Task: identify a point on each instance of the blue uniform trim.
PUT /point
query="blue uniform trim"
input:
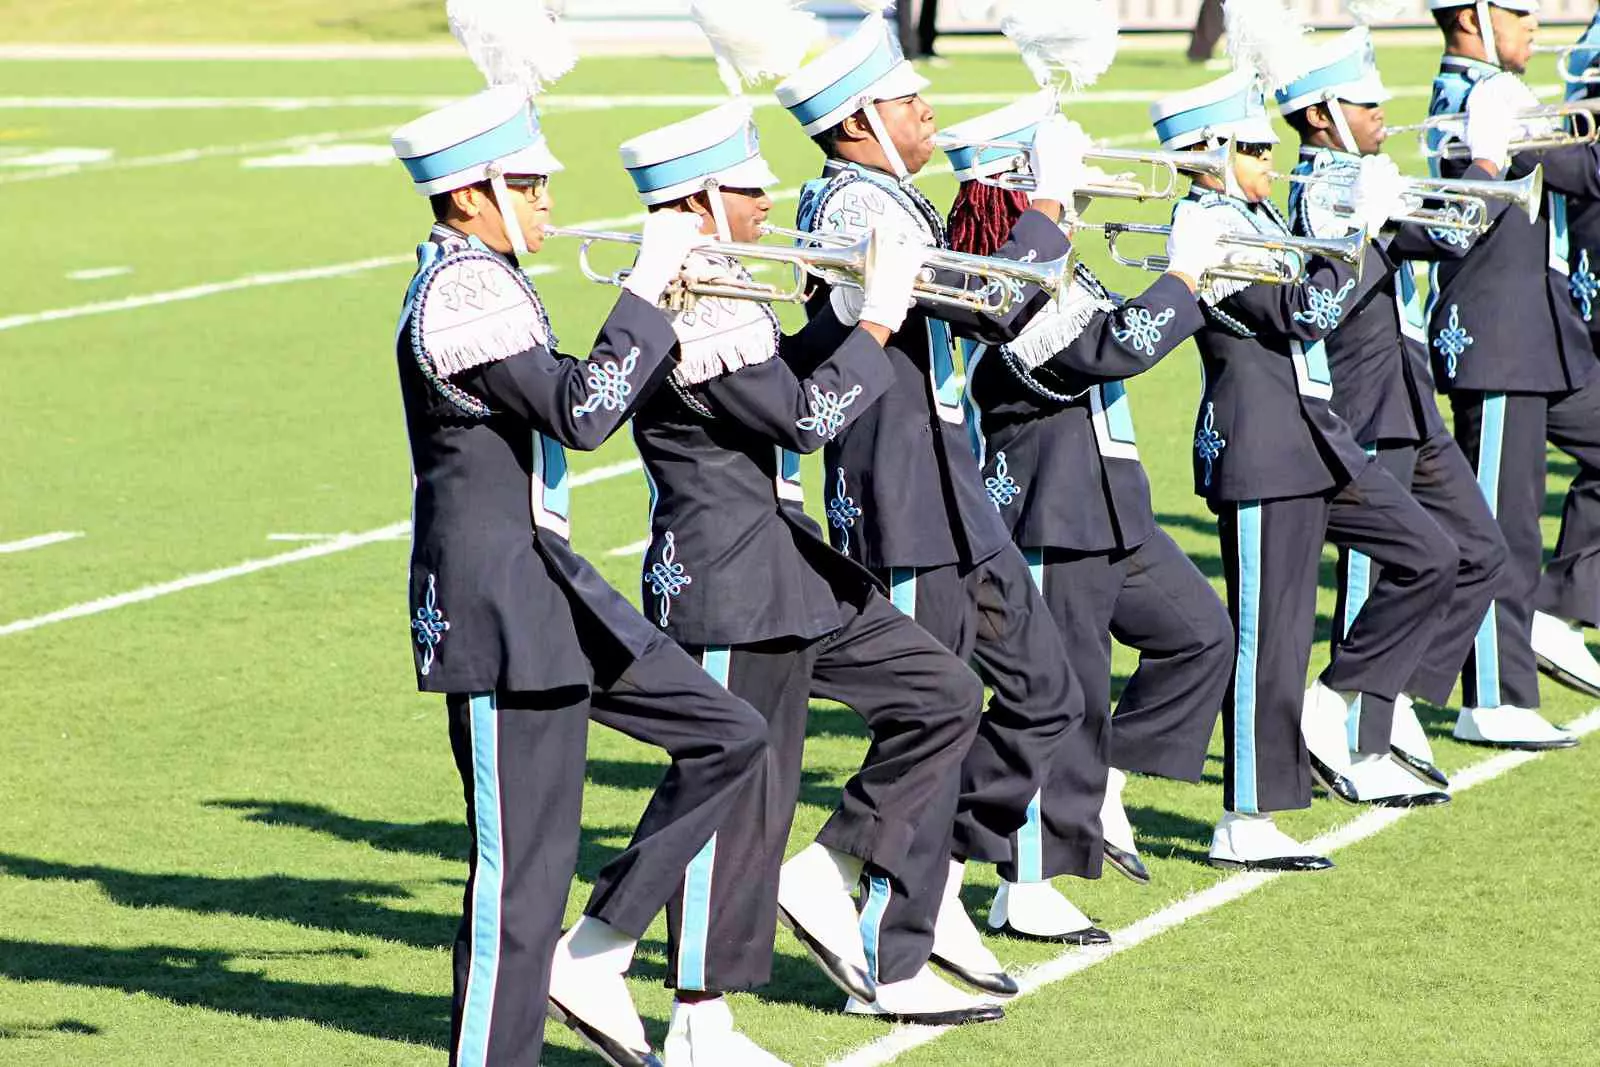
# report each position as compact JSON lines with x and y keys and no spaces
{"x":966,"y":158}
{"x":942,"y":371}
{"x":878,"y":894}
{"x":1119,"y":413}
{"x":696,"y":930}
{"x":903,"y":590}
{"x":1486,"y":646}
{"x":1244,"y":682}
{"x":1241,"y":105}
{"x":1342,"y":72}
{"x":1030,"y":843}
{"x":513,"y":135}
{"x":853,"y":83}
{"x":735,"y":149}
{"x":1035,"y":558}
{"x":477,"y":1009}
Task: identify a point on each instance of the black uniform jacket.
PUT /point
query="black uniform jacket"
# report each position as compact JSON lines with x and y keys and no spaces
{"x":733,"y":558}
{"x":1059,"y":456}
{"x":497,"y":593}
{"x":1583,"y":254}
{"x":1503,"y":318}
{"x":1382,"y":386}
{"x":1265,"y":429}
{"x":909,"y":462}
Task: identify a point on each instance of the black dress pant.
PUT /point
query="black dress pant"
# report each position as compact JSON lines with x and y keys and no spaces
{"x":920,"y":704}
{"x":521,"y":757}
{"x":1271,"y":550}
{"x":1503,"y":436}
{"x":1441,"y":480}
{"x":1151,"y":598}
{"x":993,"y":617}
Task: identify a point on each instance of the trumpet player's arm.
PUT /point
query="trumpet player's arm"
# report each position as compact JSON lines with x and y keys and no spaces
{"x":1307,"y":310}
{"x":1034,"y":239}
{"x":847,"y":371}
{"x":1127,"y":341}
{"x":1573,"y":170}
{"x":1413,"y":240}
{"x":581,"y":402}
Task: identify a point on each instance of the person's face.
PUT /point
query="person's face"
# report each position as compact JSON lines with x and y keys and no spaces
{"x":1513,"y":37}
{"x":1252,"y":169}
{"x":1366,"y":126}
{"x":746,"y":210}
{"x":531,"y":201}
{"x":909,"y":123}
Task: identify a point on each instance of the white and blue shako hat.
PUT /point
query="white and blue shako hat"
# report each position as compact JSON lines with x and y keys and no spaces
{"x":864,"y":68}
{"x":484,"y":137}
{"x":1230,"y":108}
{"x":708,"y":152}
{"x":1521,"y":7}
{"x":1345,"y":69}
{"x":1016,"y":124}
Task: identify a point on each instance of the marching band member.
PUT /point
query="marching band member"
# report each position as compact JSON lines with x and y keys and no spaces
{"x":920,"y":517}
{"x":1383,"y":390}
{"x":1281,"y":471}
{"x":738,"y":574}
{"x":1511,"y":348}
{"x":523,"y":636}
{"x":1055,"y":434}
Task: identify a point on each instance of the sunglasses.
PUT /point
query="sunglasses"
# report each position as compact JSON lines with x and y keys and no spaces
{"x":534,"y":184}
{"x":1258,"y":149}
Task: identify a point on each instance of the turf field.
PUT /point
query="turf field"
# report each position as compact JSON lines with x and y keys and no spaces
{"x":230,"y":832}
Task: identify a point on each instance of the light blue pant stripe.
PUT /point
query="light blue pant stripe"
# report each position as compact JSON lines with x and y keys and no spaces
{"x":878,"y":894}
{"x":1486,"y":646}
{"x":1035,"y":558}
{"x":696,"y":930}
{"x":903,"y":590}
{"x":1030,"y":844}
{"x":1244,"y":684}
{"x":1357,"y":584}
{"x":483,"y":969}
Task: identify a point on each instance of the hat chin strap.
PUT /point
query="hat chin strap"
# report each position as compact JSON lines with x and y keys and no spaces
{"x":1486,"y":29}
{"x":1230,"y":182}
{"x":719,"y":210}
{"x":870,"y":109}
{"x":1341,"y":125}
{"x":508,"y":217}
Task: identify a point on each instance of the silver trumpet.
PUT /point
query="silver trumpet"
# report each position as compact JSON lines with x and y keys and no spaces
{"x":1285,"y":267}
{"x":988,"y":284}
{"x":1563,"y":52}
{"x":1462,"y":200}
{"x":1164,"y":168}
{"x":1572,"y":122}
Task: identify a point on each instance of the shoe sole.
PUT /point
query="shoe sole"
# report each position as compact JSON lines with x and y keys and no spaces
{"x":1092,"y":936}
{"x":1566,"y":678}
{"x":1520,"y":746}
{"x":1295,"y":864}
{"x":1127,"y":864}
{"x":599,"y":1043}
{"x":988,"y":1013}
{"x":1411,"y":800}
{"x":1421,"y":768}
{"x":1337,"y":785}
{"x":1000,"y":985}
{"x":830,"y":964}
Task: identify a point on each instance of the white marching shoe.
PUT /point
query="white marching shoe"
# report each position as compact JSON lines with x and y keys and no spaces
{"x":1037,"y":911}
{"x":926,"y":999}
{"x":1254,"y":843}
{"x":589,"y":993}
{"x":815,"y":902}
{"x":1120,"y":849}
{"x":1325,"y":724}
{"x":1384,"y":781}
{"x":958,"y":950}
{"x":1408,"y":743}
{"x":702,"y":1035}
{"x":1509,"y":726}
{"x":1559,"y":648}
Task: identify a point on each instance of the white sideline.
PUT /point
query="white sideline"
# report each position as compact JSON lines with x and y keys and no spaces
{"x":339,"y":543}
{"x":190,"y":155}
{"x":905,"y":1038}
{"x":39,"y":541}
{"x":634,"y":549}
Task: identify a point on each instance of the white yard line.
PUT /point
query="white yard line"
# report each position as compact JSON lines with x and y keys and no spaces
{"x":191,"y":155}
{"x":39,"y":541}
{"x":338,"y":543}
{"x":635,"y":549}
{"x":905,"y":1038}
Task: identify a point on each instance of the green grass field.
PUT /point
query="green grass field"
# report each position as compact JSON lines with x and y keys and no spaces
{"x":230,"y":832}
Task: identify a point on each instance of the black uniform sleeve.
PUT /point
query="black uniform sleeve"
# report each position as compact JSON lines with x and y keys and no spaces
{"x":1574,"y":170}
{"x":1033,"y":239}
{"x":799,"y":414}
{"x":1411,"y":240}
{"x":1128,"y":341}
{"x":1308,"y":310}
{"x":579,"y":402}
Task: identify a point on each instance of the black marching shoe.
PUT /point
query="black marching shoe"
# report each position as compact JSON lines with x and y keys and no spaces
{"x":1037,"y":911}
{"x":1254,"y":843}
{"x":1338,"y":786}
{"x":926,"y":1000}
{"x":1127,"y":864}
{"x":602,"y":1044}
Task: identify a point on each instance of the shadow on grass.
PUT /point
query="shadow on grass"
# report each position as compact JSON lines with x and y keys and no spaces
{"x":1172,"y":834}
{"x":222,"y":981}
{"x":69,"y":1027}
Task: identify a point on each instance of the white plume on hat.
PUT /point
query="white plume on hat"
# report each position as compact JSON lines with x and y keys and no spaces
{"x":1366,"y":12}
{"x":1061,"y":40}
{"x":1266,"y":37}
{"x":512,"y":42}
{"x":873,"y":7}
{"x":756,"y":39}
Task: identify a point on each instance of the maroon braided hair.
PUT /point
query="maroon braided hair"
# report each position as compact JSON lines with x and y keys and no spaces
{"x":982,"y":217}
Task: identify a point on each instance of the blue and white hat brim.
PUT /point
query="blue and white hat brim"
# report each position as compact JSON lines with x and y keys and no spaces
{"x":1016,"y":122}
{"x":864,"y":68}
{"x":720,"y":146}
{"x":458,"y":144}
{"x":1229,"y":107}
{"x":753,"y":173}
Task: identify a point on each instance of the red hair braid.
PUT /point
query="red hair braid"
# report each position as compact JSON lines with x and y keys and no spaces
{"x":982,"y":217}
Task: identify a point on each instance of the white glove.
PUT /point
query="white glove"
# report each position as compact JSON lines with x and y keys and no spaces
{"x":1058,"y":148}
{"x":1195,"y":243}
{"x":669,"y":237}
{"x":846,"y":301}
{"x":1379,"y":194}
{"x":894,"y":263}
{"x":1491,"y":108}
